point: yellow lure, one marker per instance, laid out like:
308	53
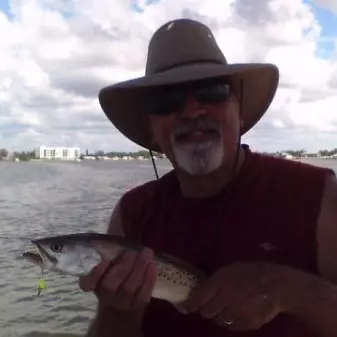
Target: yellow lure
41	286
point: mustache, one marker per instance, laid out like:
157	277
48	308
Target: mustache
192	125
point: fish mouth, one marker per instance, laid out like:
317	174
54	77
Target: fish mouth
34	256
43	253
38	255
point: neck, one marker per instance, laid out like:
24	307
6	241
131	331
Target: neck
206	186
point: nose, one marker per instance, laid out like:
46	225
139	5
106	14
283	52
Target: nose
192	108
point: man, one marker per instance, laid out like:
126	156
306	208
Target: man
263	229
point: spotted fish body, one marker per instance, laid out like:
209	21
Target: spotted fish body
77	254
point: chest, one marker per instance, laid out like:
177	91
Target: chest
209	236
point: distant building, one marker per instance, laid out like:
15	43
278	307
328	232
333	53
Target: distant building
58	153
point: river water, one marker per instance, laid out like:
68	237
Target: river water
45	198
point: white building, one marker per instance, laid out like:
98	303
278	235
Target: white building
59	153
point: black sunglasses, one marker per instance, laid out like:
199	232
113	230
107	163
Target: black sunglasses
169	99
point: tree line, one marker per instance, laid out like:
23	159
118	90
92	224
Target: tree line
21	155
114	154
28	155
304	153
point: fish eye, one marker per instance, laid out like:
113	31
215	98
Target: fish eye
56	247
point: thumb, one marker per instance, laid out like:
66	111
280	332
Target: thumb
89	282
180	307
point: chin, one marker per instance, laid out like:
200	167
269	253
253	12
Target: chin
199	158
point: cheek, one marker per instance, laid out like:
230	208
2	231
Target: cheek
231	135
162	128
230	121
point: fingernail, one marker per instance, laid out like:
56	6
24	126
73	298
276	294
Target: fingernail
146	254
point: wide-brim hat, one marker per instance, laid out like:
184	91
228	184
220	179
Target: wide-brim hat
181	51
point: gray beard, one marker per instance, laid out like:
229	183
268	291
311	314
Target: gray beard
199	158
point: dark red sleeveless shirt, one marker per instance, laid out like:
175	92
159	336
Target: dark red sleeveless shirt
269	212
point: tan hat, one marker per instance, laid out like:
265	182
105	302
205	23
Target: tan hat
180	51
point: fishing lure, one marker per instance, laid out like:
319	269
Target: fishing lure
41	284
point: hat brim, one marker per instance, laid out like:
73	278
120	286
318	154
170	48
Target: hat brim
121	104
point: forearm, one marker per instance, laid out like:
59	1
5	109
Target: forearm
110	322
314	301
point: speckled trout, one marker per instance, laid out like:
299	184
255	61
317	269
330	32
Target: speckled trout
76	254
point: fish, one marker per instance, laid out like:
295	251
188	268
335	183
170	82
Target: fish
76	254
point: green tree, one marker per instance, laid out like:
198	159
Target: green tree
3	153
323	153
296	153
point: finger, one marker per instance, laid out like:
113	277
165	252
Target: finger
145	292
180	307
88	282
238	321
225	318
200	296
215	305
118	272
135	278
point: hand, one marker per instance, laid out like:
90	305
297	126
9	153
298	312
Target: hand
241	296
126	284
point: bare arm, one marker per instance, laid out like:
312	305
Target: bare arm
110	321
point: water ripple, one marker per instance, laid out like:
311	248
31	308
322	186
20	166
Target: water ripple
49	198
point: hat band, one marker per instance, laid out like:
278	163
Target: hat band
184	64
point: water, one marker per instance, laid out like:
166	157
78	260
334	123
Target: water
44	198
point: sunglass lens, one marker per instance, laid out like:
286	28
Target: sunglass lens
165	101
214	94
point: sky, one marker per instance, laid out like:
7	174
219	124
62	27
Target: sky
55	56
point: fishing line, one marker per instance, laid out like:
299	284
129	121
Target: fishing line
154	164
41	281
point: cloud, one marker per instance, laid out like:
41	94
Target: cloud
57	54
328	4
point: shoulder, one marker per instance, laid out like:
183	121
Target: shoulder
146	191
131	206
305	180
300	187
287	164
295	171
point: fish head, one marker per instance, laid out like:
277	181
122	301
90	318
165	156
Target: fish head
75	254
64	254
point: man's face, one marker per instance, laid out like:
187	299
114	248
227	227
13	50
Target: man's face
202	132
